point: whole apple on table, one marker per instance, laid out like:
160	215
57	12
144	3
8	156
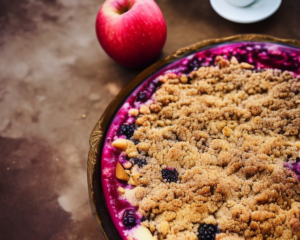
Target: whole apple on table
132	32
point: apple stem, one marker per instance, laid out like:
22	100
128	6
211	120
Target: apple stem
121	9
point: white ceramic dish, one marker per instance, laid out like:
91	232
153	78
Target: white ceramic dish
257	11
240	3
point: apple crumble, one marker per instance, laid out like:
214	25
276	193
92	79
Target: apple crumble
214	155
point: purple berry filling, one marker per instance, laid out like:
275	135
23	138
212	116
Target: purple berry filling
142	96
295	167
261	55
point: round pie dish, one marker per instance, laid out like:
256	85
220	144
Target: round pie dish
259	50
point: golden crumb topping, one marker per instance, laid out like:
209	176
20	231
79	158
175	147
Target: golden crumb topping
214	144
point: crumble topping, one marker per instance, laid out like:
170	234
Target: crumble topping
215	148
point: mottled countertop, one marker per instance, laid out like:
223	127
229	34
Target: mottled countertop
55	82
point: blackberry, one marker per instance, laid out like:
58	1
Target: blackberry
129	219
140	162
207	231
194	64
156	83
127	130
142	96
171	175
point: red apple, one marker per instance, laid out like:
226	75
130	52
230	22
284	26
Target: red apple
132	32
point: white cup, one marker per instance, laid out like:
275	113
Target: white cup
240	3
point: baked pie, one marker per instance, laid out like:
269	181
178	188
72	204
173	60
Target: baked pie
209	151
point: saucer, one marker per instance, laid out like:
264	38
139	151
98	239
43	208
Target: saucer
257	11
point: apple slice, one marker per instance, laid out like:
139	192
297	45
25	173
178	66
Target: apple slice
120	173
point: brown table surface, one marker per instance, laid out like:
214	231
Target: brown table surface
52	74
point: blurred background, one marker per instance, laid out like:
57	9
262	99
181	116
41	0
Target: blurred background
55	82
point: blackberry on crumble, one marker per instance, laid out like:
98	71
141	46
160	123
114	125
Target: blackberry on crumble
127	130
140	162
207	231
171	175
